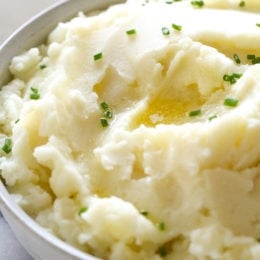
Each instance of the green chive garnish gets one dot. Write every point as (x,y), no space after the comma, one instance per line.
(256,60)
(176,27)
(232,79)
(107,114)
(82,210)
(34,93)
(212,117)
(197,3)
(131,32)
(104,122)
(161,226)
(195,113)
(257,24)
(231,102)
(237,59)
(98,56)
(253,58)
(144,213)
(43,66)
(165,31)
(162,251)
(250,56)
(104,105)
(7,147)
(242,3)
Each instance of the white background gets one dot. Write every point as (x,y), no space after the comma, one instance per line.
(13,13)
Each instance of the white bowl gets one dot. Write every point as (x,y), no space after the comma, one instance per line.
(35,239)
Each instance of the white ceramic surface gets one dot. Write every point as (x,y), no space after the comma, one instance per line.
(13,13)
(37,241)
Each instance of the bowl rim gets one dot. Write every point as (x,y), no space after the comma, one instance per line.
(45,21)
(9,205)
(13,46)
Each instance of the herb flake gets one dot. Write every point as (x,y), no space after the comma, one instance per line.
(176,27)
(34,93)
(161,226)
(232,79)
(107,114)
(236,59)
(144,213)
(231,102)
(197,3)
(82,210)
(195,113)
(98,56)
(212,117)
(162,251)
(104,122)
(242,3)
(131,32)
(104,106)
(7,147)
(165,31)
(43,66)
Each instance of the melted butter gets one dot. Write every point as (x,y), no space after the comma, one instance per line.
(172,109)
(163,111)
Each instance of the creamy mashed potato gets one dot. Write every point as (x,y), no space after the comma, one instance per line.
(134,133)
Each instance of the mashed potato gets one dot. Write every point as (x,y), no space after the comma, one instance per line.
(134,133)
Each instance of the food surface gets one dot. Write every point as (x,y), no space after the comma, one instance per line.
(134,133)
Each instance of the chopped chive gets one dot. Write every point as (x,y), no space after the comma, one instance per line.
(165,31)
(108,114)
(257,24)
(82,210)
(226,77)
(161,226)
(256,60)
(7,147)
(169,2)
(237,59)
(253,58)
(131,32)
(242,3)
(104,105)
(144,213)
(212,117)
(176,27)
(98,56)
(43,66)
(237,75)
(104,122)
(232,79)
(250,56)
(16,121)
(34,93)
(197,3)
(162,251)
(231,102)
(195,113)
